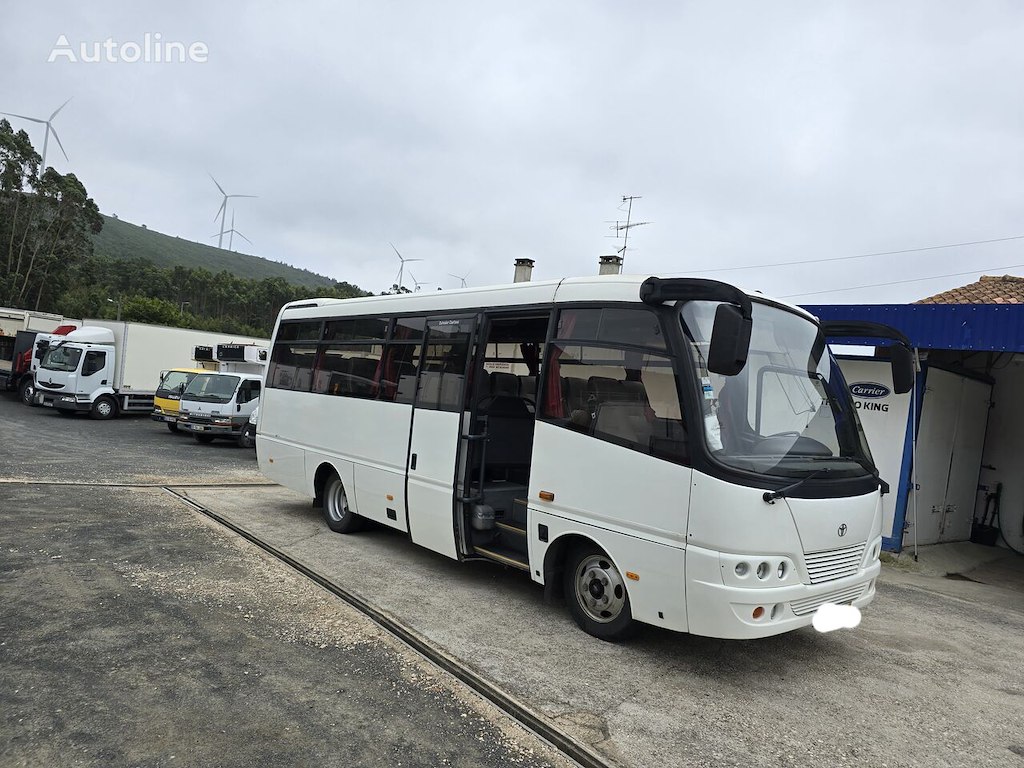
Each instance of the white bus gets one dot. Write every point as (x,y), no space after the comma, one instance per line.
(669,451)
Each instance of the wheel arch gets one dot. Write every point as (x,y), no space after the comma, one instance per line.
(554,561)
(323,471)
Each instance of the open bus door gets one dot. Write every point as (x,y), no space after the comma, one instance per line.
(435,434)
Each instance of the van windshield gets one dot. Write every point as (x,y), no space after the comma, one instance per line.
(211,388)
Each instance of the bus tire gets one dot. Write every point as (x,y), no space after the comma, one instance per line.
(172,426)
(596,594)
(203,438)
(103,408)
(339,516)
(27,392)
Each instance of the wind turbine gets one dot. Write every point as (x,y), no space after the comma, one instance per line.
(401,269)
(233,232)
(49,129)
(460,277)
(223,210)
(416,283)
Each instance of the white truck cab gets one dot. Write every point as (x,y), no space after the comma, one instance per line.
(76,374)
(218,405)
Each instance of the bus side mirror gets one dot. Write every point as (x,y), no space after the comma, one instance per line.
(730,341)
(902,369)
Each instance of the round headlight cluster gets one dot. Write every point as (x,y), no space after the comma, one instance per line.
(763,570)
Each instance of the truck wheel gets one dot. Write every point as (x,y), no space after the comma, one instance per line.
(103,408)
(247,439)
(596,595)
(203,438)
(27,392)
(172,426)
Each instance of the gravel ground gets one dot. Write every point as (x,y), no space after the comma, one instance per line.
(134,632)
(136,621)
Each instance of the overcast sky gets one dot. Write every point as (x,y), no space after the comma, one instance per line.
(472,134)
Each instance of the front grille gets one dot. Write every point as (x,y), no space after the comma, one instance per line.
(834,564)
(196,418)
(811,604)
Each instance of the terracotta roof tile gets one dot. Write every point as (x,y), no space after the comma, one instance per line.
(990,289)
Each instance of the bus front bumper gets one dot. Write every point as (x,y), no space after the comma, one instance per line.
(715,609)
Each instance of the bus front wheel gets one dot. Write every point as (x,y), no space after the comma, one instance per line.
(339,516)
(596,595)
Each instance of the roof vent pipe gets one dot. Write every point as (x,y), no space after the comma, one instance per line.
(609,265)
(524,270)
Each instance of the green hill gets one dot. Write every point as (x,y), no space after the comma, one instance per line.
(121,240)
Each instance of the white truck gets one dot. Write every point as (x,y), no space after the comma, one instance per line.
(21,332)
(219,404)
(109,367)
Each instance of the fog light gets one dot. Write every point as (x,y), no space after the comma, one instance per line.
(763,570)
(742,569)
(758,613)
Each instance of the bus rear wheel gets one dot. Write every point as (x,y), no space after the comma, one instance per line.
(339,516)
(596,595)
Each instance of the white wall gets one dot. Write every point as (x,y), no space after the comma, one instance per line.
(1004,448)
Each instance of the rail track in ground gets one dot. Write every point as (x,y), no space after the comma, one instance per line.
(526,717)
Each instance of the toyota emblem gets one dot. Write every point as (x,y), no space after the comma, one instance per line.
(842,529)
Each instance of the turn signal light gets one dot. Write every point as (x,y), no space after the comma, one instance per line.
(546,496)
(389,497)
(632,576)
(758,612)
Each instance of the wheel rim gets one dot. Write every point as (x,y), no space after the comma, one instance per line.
(103,408)
(600,590)
(336,502)
(28,393)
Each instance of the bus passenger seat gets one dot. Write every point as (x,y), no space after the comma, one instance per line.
(504,383)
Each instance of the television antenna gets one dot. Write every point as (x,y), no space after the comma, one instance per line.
(621,229)
(46,137)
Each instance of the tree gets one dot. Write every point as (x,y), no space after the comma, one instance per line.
(45,224)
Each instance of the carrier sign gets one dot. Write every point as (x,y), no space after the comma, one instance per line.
(869,390)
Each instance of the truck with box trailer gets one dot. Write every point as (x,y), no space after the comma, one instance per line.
(21,333)
(218,404)
(110,367)
(167,401)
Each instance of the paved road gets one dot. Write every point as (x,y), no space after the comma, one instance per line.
(932,676)
(133,633)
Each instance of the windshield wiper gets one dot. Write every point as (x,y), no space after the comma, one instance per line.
(770,496)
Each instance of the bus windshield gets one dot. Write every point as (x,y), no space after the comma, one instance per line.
(61,359)
(211,388)
(788,413)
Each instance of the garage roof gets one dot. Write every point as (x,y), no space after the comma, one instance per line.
(975,327)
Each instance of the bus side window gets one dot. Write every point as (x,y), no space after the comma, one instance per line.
(618,395)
